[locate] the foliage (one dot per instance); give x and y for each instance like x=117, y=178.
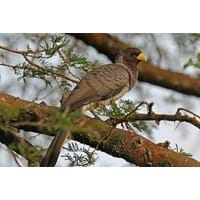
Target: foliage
x=79, y=156
x=62, y=120
x=192, y=63
x=32, y=154
x=79, y=61
x=40, y=63
x=120, y=112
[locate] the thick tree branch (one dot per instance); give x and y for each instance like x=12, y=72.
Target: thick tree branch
x=10, y=137
x=125, y=144
x=110, y=46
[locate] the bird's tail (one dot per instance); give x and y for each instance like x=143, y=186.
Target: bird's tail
x=54, y=149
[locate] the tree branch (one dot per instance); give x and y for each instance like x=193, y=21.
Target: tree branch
x=9, y=136
x=25, y=55
x=194, y=119
x=125, y=144
x=110, y=46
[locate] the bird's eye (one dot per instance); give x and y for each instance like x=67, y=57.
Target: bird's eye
x=132, y=53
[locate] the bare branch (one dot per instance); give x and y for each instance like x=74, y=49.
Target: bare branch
x=152, y=116
x=15, y=156
x=15, y=50
x=50, y=72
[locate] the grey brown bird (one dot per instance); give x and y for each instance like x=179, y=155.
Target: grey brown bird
x=105, y=82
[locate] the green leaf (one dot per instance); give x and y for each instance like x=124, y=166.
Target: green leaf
x=198, y=57
x=197, y=65
x=189, y=63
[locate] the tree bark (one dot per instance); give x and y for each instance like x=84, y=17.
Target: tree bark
x=120, y=143
x=110, y=46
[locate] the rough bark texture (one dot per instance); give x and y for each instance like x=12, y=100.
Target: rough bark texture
x=110, y=46
x=125, y=144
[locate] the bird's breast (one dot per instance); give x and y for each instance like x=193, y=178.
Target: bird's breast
x=107, y=101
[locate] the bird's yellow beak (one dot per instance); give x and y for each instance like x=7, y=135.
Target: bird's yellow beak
x=141, y=57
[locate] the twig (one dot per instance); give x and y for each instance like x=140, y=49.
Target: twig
x=49, y=71
x=25, y=55
x=65, y=64
x=186, y=110
x=136, y=108
x=15, y=50
x=150, y=116
x=15, y=157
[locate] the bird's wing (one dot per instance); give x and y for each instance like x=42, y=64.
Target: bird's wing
x=103, y=83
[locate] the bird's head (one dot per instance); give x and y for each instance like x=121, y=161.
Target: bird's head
x=130, y=56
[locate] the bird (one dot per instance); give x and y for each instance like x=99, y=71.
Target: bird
x=106, y=82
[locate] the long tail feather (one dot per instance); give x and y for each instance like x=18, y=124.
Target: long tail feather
x=54, y=149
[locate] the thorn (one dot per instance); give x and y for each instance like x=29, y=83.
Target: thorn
x=43, y=103
x=165, y=144
x=157, y=122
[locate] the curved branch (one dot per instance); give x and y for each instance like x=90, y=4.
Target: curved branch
x=194, y=119
x=125, y=144
x=164, y=117
x=110, y=46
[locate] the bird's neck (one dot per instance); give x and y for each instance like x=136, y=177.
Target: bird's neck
x=131, y=66
x=132, y=71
